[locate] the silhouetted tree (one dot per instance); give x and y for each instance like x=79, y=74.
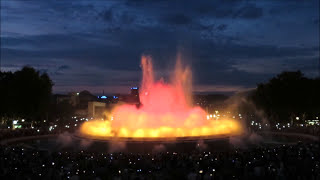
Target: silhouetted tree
x=25, y=94
x=288, y=94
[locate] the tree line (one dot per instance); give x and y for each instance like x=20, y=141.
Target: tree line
x=287, y=96
x=25, y=94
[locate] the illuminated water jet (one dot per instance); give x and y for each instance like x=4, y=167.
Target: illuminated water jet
x=166, y=111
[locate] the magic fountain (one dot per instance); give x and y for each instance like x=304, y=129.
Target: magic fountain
x=166, y=111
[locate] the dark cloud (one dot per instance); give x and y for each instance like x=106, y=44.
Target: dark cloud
x=127, y=18
x=177, y=19
x=94, y=43
x=210, y=8
x=208, y=59
x=249, y=12
x=63, y=67
x=222, y=27
x=81, y=46
x=107, y=15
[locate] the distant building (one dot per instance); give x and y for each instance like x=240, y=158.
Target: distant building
x=134, y=95
x=84, y=98
x=96, y=109
x=59, y=98
x=71, y=98
x=79, y=100
x=135, y=91
x=74, y=98
x=89, y=105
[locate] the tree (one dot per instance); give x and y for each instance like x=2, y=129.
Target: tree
x=25, y=94
x=286, y=94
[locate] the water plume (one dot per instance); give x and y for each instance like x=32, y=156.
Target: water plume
x=166, y=111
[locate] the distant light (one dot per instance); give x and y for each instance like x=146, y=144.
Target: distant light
x=134, y=88
x=103, y=97
x=297, y=118
x=22, y=120
x=77, y=94
x=200, y=171
x=15, y=121
x=115, y=97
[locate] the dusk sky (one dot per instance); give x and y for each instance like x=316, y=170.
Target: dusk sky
x=96, y=45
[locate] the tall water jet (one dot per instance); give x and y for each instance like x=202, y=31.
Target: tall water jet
x=166, y=111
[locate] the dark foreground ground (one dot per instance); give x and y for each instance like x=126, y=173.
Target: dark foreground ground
x=252, y=157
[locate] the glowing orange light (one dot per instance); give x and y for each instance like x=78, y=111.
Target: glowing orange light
x=166, y=111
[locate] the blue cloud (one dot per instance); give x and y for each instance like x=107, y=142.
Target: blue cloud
x=223, y=40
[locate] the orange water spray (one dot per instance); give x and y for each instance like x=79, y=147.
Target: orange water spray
x=166, y=111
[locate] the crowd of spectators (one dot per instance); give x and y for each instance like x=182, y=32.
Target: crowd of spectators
x=34, y=131
x=303, y=129
x=9, y=133
x=299, y=161
x=311, y=129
